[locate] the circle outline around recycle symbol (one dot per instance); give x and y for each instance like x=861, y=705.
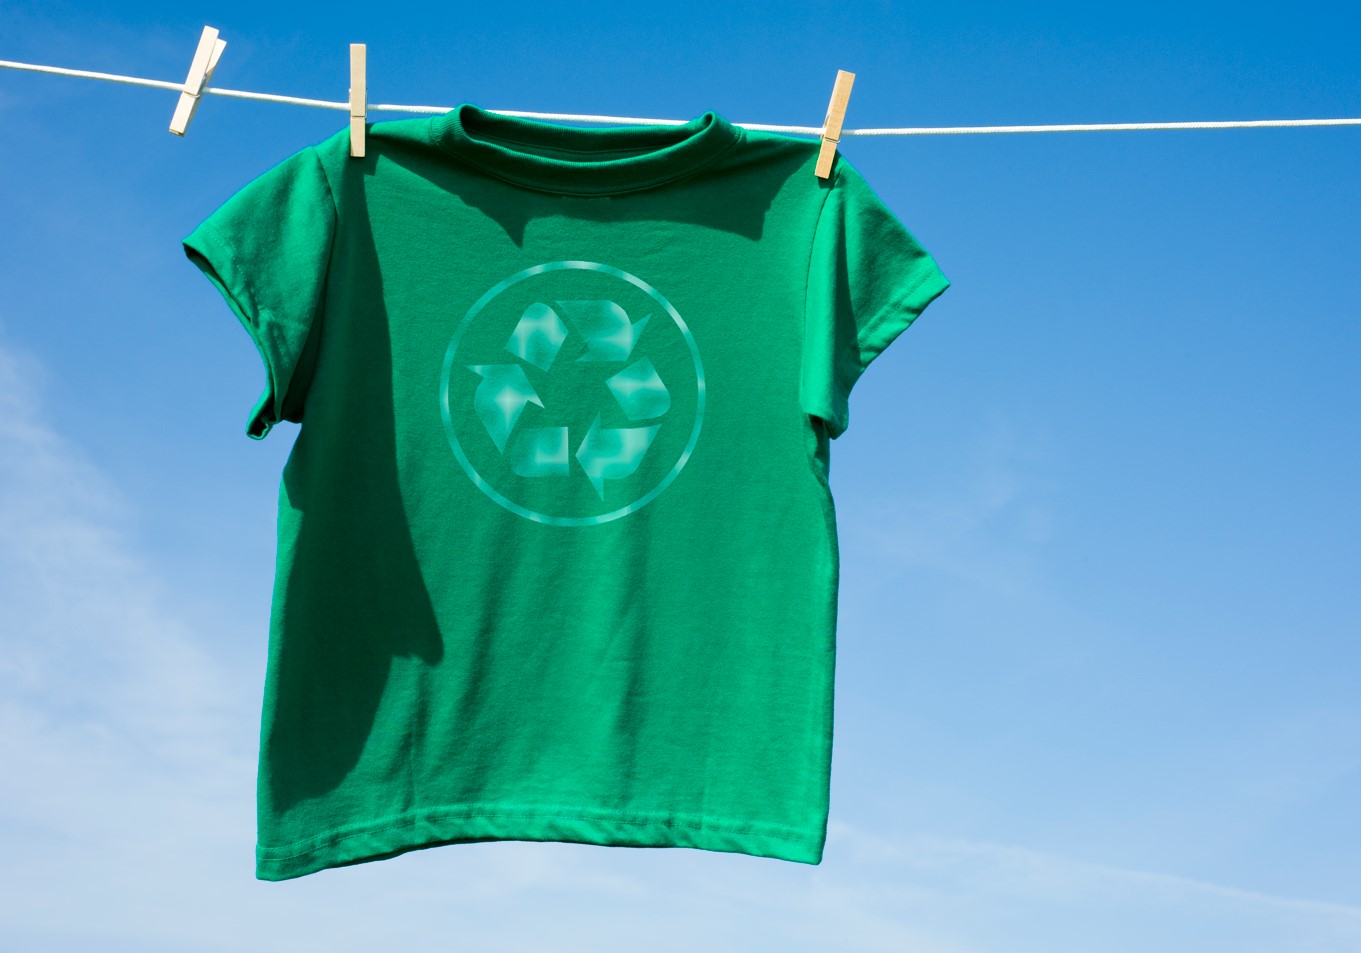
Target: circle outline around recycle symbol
x=462, y=457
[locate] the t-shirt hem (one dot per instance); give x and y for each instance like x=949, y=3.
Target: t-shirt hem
x=382, y=838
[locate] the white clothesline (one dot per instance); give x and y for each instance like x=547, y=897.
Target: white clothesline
x=797, y=130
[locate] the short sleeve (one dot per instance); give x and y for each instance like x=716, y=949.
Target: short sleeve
x=267, y=250
x=868, y=281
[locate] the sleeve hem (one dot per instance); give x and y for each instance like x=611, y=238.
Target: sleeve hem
x=898, y=315
x=214, y=256
x=895, y=318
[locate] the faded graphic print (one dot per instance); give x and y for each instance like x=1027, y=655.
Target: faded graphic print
x=556, y=400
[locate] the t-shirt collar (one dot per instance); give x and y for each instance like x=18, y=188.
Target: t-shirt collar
x=556, y=158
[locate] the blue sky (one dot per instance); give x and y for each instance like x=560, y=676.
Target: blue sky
x=1099, y=637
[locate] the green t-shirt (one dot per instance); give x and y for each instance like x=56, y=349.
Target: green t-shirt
x=557, y=554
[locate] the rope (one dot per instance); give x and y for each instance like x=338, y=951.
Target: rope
x=797, y=130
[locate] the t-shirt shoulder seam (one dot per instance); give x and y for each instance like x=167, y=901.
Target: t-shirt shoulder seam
x=326, y=175
x=813, y=236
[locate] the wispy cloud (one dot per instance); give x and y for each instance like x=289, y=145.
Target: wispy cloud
x=1019, y=899
x=1051, y=878
x=984, y=520
x=126, y=744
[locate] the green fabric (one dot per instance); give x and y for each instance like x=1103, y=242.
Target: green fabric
x=557, y=553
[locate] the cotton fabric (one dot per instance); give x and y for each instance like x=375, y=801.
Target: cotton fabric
x=557, y=553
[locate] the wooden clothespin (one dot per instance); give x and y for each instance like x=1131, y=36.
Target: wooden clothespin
x=359, y=98
x=831, y=126
x=200, y=71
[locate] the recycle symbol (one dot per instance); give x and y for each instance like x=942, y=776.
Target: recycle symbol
x=602, y=453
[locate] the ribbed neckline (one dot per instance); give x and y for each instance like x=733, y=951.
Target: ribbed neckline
x=568, y=159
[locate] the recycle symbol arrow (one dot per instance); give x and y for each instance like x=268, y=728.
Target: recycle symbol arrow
x=605, y=453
